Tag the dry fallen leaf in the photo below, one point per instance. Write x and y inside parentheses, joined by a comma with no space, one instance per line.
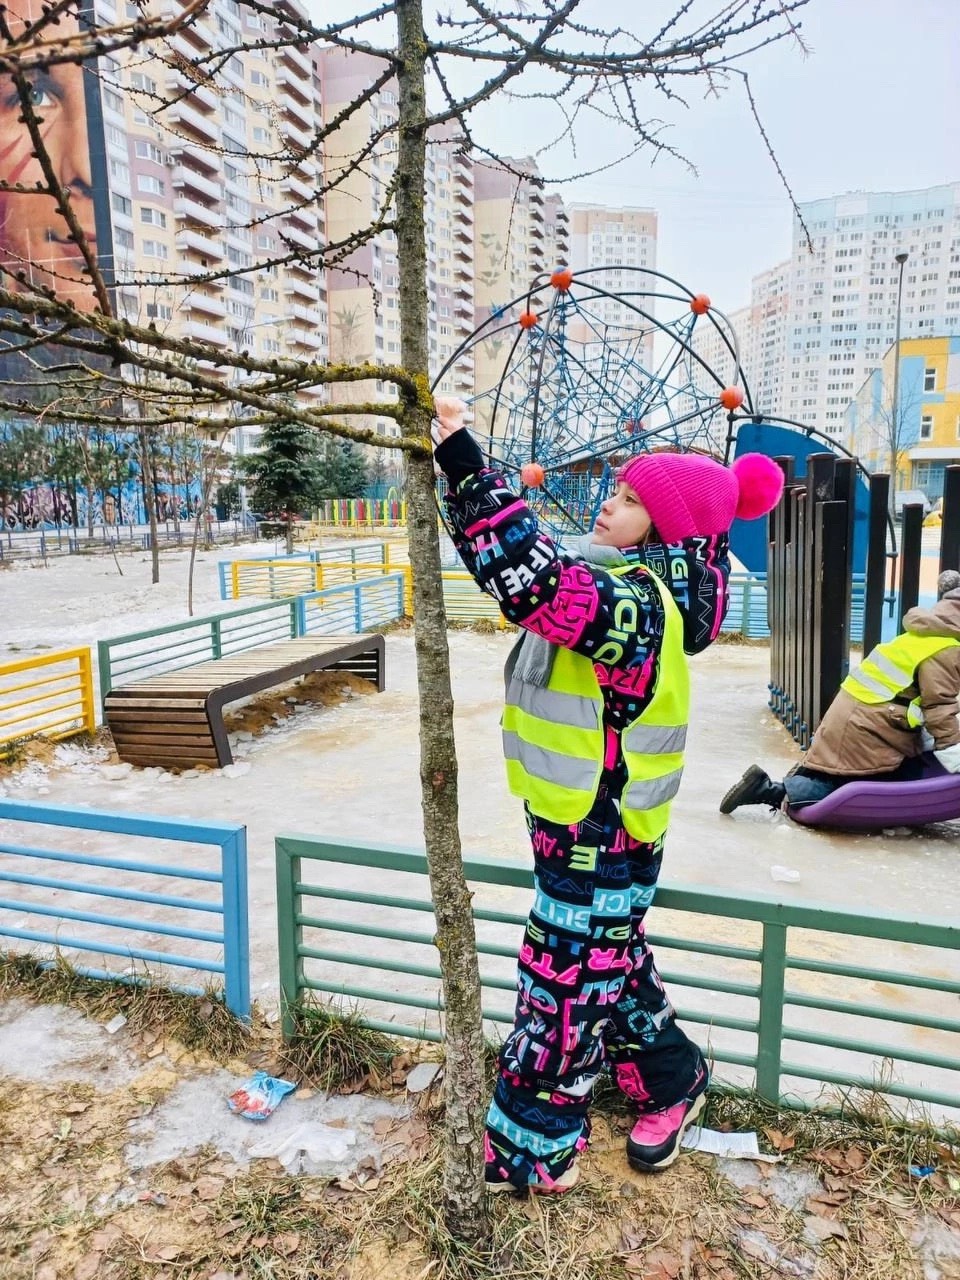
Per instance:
(88,1267)
(855,1158)
(225,1228)
(287,1243)
(818,1229)
(756,1199)
(165,1253)
(208,1188)
(661,1265)
(780,1141)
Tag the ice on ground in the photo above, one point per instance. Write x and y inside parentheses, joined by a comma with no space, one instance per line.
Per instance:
(56,1043)
(194,1114)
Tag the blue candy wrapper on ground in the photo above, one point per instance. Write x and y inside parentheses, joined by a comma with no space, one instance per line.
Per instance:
(259,1096)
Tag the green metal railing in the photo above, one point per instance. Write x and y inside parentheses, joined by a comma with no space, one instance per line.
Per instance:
(305,937)
(139,654)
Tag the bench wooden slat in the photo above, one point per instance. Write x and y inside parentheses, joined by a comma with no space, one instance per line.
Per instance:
(121,716)
(160,716)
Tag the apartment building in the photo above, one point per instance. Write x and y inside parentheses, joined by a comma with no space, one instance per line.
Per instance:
(924,431)
(517,234)
(819,323)
(365,289)
(606,243)
(763,337)
(213,182)
(843,295)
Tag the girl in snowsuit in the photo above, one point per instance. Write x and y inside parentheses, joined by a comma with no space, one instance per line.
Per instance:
(594,729)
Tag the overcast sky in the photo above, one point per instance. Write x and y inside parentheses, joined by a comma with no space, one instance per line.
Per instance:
(874,106)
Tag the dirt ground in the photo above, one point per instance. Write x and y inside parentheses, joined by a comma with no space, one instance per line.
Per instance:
(84,1194)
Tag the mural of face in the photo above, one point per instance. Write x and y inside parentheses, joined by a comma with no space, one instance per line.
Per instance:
(34,237)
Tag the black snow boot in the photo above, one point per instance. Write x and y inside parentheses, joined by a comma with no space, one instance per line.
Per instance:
(755,787)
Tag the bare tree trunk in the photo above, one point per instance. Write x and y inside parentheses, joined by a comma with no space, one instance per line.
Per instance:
(149,500)
(455,937)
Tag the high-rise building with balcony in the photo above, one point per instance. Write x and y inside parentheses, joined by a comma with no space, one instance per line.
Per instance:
(365,288)
(213,172)
(518,232)
(843,295)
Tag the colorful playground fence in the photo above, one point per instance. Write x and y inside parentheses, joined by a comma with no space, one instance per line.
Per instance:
(753,962)
(50,695)
(280,576)
(352,606)
(354,513)
(75,894)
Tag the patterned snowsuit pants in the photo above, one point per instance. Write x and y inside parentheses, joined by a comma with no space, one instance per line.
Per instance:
(589,996)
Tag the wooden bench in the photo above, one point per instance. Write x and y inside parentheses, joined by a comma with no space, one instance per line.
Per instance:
(175,720)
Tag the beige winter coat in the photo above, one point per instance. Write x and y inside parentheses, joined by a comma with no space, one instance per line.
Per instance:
(854,738)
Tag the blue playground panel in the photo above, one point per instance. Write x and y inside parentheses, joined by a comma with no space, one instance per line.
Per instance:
(748,538)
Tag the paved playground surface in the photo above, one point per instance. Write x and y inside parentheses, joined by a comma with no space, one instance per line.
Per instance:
(350,770)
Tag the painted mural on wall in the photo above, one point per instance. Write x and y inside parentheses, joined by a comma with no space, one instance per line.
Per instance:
(62,479)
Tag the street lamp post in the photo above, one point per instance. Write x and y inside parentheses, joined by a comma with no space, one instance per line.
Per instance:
(900,259)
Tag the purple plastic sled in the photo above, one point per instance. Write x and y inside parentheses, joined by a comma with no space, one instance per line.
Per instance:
(868,806)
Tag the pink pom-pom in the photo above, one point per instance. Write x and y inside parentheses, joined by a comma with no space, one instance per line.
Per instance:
(761,483)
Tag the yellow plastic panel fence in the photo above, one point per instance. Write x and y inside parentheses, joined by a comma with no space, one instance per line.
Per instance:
(276,579)
(50,694)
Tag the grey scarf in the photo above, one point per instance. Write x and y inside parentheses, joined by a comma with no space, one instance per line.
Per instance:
(531,658)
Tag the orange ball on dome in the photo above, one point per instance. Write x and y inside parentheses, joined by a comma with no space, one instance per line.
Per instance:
(532,475)
(731,397)
(562,279)
(528,319)
(700,304)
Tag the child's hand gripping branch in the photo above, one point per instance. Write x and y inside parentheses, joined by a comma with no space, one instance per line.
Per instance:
(457,453)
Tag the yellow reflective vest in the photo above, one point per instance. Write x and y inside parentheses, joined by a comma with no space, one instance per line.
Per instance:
(891,668)
(553,737)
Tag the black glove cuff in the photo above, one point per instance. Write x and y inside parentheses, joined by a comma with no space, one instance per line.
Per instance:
(459,456)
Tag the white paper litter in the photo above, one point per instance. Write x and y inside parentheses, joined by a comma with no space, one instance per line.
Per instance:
(308,1149)
(784,875)
(732,1146)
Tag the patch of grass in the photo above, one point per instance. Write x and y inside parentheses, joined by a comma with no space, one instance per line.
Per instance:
(14,753)
(198,1022)
(529,1239)
(332,1049)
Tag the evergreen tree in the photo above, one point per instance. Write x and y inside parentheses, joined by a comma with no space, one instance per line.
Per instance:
(287,473)
(344,470)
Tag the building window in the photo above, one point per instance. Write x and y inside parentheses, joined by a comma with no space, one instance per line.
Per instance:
(155,249)
(929,379)
(155,217)
(926,426)
(147,182)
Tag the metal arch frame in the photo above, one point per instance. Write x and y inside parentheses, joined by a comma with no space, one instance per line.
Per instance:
(545,333)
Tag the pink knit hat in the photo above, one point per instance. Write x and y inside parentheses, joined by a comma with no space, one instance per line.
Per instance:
(688,495)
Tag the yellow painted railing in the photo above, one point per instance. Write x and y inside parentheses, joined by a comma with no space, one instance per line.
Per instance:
(464,600)
(50,695)
(273,578)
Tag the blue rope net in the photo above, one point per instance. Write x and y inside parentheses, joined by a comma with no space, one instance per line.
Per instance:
(595,378)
